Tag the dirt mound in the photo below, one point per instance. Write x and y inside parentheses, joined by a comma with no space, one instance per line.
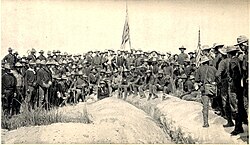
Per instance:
(113,121)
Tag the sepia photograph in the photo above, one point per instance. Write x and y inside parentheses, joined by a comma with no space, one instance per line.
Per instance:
(124,71)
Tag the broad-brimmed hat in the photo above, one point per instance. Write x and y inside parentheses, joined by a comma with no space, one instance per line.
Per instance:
(68,74)
(148,71)
(49,53)
(154,59)
(33,50)
(182,47)
(168,52)
(231,49)
(41,51)
(64,62)
(204,59)
(205,47)
(183,76)
(241,39)
(10,49)
(18,64)
(223,50)
(191,52)
(32,63)
(7,66)
(102,82)
(160,72)
(38,61)
(217,45)
(50,62)
(191,77)
(43,62)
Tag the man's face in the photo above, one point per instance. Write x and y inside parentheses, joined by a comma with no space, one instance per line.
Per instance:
(244,46)
(182,50)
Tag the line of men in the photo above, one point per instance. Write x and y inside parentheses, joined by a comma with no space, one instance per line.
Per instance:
(61,78)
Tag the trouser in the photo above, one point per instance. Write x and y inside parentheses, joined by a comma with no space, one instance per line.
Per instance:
(121,89)
(16,103)
(193,96)
(217,102)
(7,99)
(205,102)
(43,98)
(135,88)
(29,97)
(141,90)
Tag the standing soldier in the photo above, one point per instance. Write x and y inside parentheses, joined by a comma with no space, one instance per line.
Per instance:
(223,85)
(206,77)
(32,56)
(235,74)
(44,78)
(41,56)
(242,42)
(30,85)
(9,58)
(182,56)
(8,90)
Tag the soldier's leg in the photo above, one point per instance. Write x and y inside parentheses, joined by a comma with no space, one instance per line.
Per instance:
(150,91)
(141,92)
(135,89)
(125,92)
(41,97)
(154,89)
(205,101)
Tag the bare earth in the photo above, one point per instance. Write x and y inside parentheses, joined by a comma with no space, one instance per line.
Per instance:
(114,121)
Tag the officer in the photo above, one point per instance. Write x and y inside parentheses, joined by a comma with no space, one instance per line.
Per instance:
(9,58)
(182,56)
(235,74)
(8,90)
(205,75)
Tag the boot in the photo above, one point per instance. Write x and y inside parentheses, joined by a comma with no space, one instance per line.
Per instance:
(205,119)
(229,124)
(150,95)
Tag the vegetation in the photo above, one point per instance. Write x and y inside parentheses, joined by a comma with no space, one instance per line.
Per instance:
(39,116)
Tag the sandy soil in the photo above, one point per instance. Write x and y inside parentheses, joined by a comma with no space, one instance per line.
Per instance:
(114,121)
(187,116)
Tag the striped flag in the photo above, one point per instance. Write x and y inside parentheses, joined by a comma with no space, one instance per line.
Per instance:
(125,34)
(198,51)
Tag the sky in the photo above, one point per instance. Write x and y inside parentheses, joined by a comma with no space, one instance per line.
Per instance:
(80,26)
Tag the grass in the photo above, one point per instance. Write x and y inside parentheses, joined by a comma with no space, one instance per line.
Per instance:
(40,116)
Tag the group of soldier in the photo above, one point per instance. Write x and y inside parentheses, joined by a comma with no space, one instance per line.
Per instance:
(220,75)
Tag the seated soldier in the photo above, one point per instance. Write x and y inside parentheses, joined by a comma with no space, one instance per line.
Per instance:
(136,82)
(191,93)
(163,84)
(147,84)
(93,80)
(102,91)
(79,84)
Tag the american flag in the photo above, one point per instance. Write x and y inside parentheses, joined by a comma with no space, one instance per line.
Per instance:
(198,51)
(125,34)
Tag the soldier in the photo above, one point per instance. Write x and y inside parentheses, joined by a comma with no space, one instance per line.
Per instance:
(32,56)
(206,52)
(191,94)
(93,80)
(222,77)
(8,90)
(160,84)
(124,85)
(192,57)
(205,76)
(103,91)
(41,56)
(235,74)
(30,85)
(9,58)
(242,42)
(182,56)
(19,88)
(147,84)
(44,78)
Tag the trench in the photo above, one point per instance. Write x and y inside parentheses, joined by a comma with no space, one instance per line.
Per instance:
(175,133)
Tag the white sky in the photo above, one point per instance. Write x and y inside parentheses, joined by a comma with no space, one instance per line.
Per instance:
(79,26)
